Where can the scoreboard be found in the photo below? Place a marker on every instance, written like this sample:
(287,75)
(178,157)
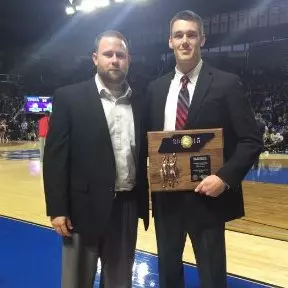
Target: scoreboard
(38,104)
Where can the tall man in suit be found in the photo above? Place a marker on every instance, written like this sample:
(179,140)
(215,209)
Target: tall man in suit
(94,170)
(198,96)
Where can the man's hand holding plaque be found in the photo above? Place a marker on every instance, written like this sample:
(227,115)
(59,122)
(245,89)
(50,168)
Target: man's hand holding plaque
(211,186)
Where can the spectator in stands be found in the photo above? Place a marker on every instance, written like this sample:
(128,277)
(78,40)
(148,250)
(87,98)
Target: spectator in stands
(261,125)
(24,128)
(43,130)
(3,130)
(31,132)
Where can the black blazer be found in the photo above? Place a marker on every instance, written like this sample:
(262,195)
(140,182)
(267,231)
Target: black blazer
(218,102)
(79,165)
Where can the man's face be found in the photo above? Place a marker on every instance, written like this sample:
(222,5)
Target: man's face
(112,60)
(186,40)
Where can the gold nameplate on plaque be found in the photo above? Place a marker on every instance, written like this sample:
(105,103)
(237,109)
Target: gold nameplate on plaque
(180,160)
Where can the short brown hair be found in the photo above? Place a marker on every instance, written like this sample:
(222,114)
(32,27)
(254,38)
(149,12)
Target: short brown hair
(188,15)
(110,33)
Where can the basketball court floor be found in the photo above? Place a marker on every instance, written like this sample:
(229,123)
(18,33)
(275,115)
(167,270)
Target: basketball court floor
(30,251)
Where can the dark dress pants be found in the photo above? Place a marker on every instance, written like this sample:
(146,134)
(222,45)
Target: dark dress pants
(115,249)
(173,221)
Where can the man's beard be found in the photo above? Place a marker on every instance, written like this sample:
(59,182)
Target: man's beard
(112,77)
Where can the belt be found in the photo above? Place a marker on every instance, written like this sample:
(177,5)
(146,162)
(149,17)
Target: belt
(125,194)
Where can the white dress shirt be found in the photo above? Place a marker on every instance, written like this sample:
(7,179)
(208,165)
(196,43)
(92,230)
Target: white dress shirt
(172,98)
(119,116)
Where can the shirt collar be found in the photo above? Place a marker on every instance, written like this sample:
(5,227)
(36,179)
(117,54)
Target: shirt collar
(104,91)
(192,75)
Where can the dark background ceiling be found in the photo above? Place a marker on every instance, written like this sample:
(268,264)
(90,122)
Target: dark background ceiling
(38,32)
(23,22)
(38,38)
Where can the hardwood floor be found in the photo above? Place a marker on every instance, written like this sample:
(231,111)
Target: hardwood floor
(254,257)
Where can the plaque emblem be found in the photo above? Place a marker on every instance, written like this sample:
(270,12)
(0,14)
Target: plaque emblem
(169,171)
(186,141)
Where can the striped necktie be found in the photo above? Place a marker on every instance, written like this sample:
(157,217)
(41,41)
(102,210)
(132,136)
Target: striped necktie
(183,104)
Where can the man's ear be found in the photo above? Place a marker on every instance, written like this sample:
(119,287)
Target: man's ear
(203,40)
(170,43)
(95,58)
(129,59)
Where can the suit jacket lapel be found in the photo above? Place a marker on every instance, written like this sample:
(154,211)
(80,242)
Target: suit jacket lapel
(201,90)
(160,102)
(96,111)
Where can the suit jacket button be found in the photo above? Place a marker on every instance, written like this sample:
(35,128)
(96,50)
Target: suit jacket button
(113,192)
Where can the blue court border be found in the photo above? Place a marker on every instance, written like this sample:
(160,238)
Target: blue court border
(149,254)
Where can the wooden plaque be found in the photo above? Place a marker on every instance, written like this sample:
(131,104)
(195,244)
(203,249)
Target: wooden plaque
(180,160)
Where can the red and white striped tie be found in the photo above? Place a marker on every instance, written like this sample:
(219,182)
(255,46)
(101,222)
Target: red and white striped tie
(183,104)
